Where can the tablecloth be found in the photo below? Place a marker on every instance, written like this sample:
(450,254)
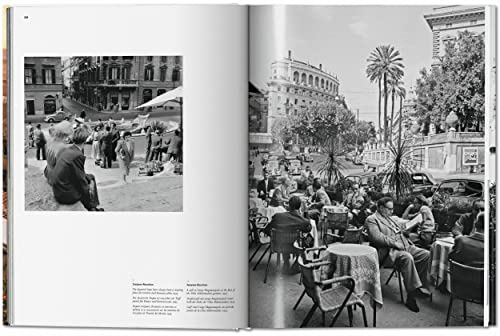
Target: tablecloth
(438,270)
(361,263)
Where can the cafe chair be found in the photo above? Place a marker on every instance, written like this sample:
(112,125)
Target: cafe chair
(466,284)
(258,225)
(336,222)
(396,272)
(308,255)
(281,243)
(331,295)
(352,235)
(252,213)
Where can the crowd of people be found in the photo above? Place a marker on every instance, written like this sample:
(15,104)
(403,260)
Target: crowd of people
(405,241)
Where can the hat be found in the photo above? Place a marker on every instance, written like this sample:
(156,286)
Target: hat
(423,199)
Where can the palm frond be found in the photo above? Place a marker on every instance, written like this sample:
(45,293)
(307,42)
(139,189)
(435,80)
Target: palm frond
(397,175)
(331,168)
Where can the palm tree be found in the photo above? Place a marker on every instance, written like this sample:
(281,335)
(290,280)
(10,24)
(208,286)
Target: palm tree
(373,73)
(395,86)
(385,61)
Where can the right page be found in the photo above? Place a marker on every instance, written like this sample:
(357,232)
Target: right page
(370,189)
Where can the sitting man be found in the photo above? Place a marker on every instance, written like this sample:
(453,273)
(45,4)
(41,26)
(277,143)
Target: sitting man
(385,232)
(469,250)
(355,200)
(70,183)
(317,201)
(290,221)
(265,186)
(465,223)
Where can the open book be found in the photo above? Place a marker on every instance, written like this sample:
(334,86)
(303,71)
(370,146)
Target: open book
(130,202)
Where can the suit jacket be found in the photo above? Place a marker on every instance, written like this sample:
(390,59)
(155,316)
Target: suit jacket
(107,141)
(261,186)
(320,196)
(288,221)
(174,144)
(469,250)
(385,233)
(69,181)
(124,153)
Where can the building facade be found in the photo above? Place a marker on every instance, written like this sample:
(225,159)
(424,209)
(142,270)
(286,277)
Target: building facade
(121,83)
(43,85)
(447,21)
(295,85)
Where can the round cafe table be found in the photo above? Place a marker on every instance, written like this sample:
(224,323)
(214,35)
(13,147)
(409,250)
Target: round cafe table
(361,263)
(438,270)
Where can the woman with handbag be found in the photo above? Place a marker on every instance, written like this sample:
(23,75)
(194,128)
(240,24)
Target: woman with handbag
(125,153)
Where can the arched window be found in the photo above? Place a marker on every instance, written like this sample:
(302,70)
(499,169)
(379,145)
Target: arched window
(126,72)
(49,104)
(311,80)
(316,82)
(296,76)
(327,84)
(303,78)
(322,83)
(147,95)
(163,73)
(160,92)
(176,75)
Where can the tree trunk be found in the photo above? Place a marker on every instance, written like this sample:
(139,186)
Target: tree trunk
(392,115)
(400,119)
(379,102)
(385,108)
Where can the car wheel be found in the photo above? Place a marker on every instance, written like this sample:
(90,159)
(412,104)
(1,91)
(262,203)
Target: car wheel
(50,120)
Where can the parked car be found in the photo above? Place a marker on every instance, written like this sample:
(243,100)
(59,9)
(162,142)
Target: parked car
(56,117)
(305,157)
(363,179)
(295,167)
(467,188)
(423,183)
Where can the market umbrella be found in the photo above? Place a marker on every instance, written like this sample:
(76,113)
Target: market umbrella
(172,95)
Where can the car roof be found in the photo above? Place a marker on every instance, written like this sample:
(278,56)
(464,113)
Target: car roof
(465,177)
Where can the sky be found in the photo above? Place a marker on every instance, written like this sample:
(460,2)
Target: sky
(341,39)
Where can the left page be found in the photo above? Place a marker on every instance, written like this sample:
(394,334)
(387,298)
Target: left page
(121,214)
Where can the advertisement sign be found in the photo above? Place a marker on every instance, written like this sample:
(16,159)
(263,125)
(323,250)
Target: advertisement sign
(470,156)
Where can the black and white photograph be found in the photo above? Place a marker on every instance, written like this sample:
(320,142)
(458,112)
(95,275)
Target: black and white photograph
(103,133)
(367,166)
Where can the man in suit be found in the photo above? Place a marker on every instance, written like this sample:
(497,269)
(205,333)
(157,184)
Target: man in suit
(265,186)
(107,147)
(156,143)
(469,250)
(40,141)
(289,221)
(115,136)
(386,233)
(174,145)
(465,223)
(70,183)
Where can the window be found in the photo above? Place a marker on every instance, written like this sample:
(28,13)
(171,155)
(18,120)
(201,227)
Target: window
(461,188)
(149,74)
(149,58)
(49,76)
(303,78)
(296,101)
(310,80)
(105,58)
(160,92)
(104,71)
(163,74)
(114,58)
(296,76)
(163,59)
(114,73)
(176,74)
(29,76)
(287,89)
(147,95)
(126,73)
(49,104)
(316,82)
(473,22)
(449,25)
(322,83)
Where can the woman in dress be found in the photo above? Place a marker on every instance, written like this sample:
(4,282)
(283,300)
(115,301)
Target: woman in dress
(96,148)
(125,153)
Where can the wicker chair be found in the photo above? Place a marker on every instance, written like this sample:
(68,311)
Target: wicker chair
(281,243)
(466,285)
(335,221)
(258,224)
(329,298)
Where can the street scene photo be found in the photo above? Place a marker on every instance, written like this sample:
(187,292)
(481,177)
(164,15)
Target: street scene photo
(103,133)
(367,186)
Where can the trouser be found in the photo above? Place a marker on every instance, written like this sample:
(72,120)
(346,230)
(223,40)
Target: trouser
(156,155)
(113,153)
(40,148)
(413,265)
(148,153)
(171,155)
(94,196)
(108,157)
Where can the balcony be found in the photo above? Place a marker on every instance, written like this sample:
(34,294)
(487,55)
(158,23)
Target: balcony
(115,83)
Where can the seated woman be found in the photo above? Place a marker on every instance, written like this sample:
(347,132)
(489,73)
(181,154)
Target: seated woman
(282,193)
(422,231)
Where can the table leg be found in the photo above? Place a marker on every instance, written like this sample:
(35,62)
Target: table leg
(374,306)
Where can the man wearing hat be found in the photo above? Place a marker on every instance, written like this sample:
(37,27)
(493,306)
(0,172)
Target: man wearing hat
(426,226)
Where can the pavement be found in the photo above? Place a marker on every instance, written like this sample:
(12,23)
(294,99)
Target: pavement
(271,304)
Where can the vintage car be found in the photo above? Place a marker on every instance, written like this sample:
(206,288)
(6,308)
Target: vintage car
(468,187)
(423,183)
(58,116)
(305,157)
(273,166)
(294,167)
(363,179)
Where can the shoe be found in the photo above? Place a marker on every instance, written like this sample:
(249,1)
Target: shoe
(422,293)
(99,209)
(411,304)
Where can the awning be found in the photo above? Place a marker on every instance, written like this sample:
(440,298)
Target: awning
(164,98)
